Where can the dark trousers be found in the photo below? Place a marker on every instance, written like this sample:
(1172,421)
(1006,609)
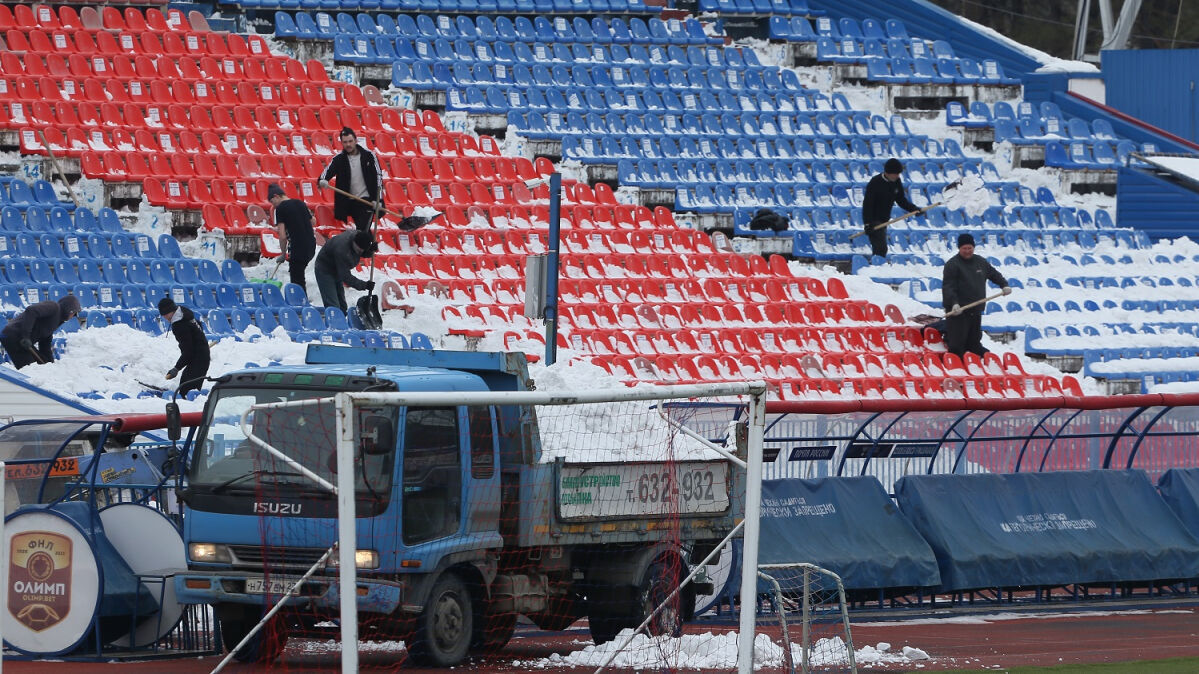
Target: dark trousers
(192,377)
(878,241)
(297,266)
(21,356)
(964,333)
(360,213)
(333,292)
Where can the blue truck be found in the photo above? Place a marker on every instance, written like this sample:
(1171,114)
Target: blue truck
(462,524)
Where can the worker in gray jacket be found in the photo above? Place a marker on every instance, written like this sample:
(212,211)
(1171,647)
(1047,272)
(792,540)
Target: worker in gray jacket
(964,281)
(336,260)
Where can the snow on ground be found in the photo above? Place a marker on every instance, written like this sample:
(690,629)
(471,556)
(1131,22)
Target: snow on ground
(694,652)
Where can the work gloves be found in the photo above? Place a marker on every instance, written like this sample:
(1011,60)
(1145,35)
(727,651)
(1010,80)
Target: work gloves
(171,373)
(26,344)
(1007,290)
(957,309)
(324,184)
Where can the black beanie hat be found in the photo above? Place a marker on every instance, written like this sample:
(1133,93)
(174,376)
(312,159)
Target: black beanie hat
(965,240)
(365,243)
(893,165)
(166,306)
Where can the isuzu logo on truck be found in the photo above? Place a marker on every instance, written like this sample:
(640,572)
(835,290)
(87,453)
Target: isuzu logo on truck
(271,508)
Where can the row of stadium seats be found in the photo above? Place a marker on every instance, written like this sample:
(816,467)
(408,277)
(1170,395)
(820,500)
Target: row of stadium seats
(615,30)
(30,270)
(57,245)
(25,17)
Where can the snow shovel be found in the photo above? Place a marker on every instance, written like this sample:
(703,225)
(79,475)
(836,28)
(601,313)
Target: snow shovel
(957,194)
(368,306)
(151,387)
(375,208)
(975,303)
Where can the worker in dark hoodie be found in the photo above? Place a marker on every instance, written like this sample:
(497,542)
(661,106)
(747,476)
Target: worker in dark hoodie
(35,327)
(194,356)
(336,260)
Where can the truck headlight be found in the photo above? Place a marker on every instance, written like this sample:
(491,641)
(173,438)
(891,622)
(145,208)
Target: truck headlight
(363,559)
(209,552)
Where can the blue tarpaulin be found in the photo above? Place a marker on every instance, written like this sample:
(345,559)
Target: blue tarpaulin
(1044,529)
(847,525)
(1180,488)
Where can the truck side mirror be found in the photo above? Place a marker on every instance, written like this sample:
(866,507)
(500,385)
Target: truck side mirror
(376,435)
(174,422)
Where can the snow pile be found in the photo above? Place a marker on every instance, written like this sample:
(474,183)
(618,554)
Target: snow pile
(693,652)
(970,195)
(119,363)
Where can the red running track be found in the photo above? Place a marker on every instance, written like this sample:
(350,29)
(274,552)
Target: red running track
(960,642)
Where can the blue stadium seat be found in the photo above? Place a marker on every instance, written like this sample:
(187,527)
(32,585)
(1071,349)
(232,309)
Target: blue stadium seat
(265,320)
(106,220)
(239,321)
(227,296)
(285,26)
(138,271)
(232,272)
(133,296)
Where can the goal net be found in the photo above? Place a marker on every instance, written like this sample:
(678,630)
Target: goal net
(808,625)
(590,525)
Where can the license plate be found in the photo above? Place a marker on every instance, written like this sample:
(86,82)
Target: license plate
(276,586)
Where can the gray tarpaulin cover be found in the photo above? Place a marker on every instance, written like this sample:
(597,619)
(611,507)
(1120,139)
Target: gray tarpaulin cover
(1053,528)
(847,525)
(1180,489)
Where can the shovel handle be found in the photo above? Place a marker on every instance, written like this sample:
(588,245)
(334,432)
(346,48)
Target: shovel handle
(892,221)
(975,303)
(372,204)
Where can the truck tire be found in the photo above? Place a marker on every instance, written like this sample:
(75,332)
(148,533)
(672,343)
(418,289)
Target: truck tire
(660,580)
(445,628)
(497,632)
(604,628)
(264,647)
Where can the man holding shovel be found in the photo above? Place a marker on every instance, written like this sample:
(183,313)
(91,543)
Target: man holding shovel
(964,296)
(359,182)
(335,262)
(294,223)
(35,327)
(882,193)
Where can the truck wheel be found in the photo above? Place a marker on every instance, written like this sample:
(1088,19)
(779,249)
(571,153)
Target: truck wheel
(265,646)
(660,580)
(444,630)
(604,628)
(497,631)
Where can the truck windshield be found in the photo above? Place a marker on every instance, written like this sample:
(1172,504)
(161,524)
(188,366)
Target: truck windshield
(226,461)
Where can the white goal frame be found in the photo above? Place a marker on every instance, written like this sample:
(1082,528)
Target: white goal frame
(345,403)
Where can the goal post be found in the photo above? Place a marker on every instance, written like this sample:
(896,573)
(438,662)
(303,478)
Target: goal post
(743,403)
(815,597)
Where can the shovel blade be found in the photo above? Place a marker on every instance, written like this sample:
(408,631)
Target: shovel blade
(368,311)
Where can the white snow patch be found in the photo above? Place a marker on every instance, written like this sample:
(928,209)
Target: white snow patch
(693,652)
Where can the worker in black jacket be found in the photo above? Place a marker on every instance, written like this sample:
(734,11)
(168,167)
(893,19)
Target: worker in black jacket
(336,260)
(963,282)
(194,356)
(356,171)
(35,327)
(294,224)
(882,193)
